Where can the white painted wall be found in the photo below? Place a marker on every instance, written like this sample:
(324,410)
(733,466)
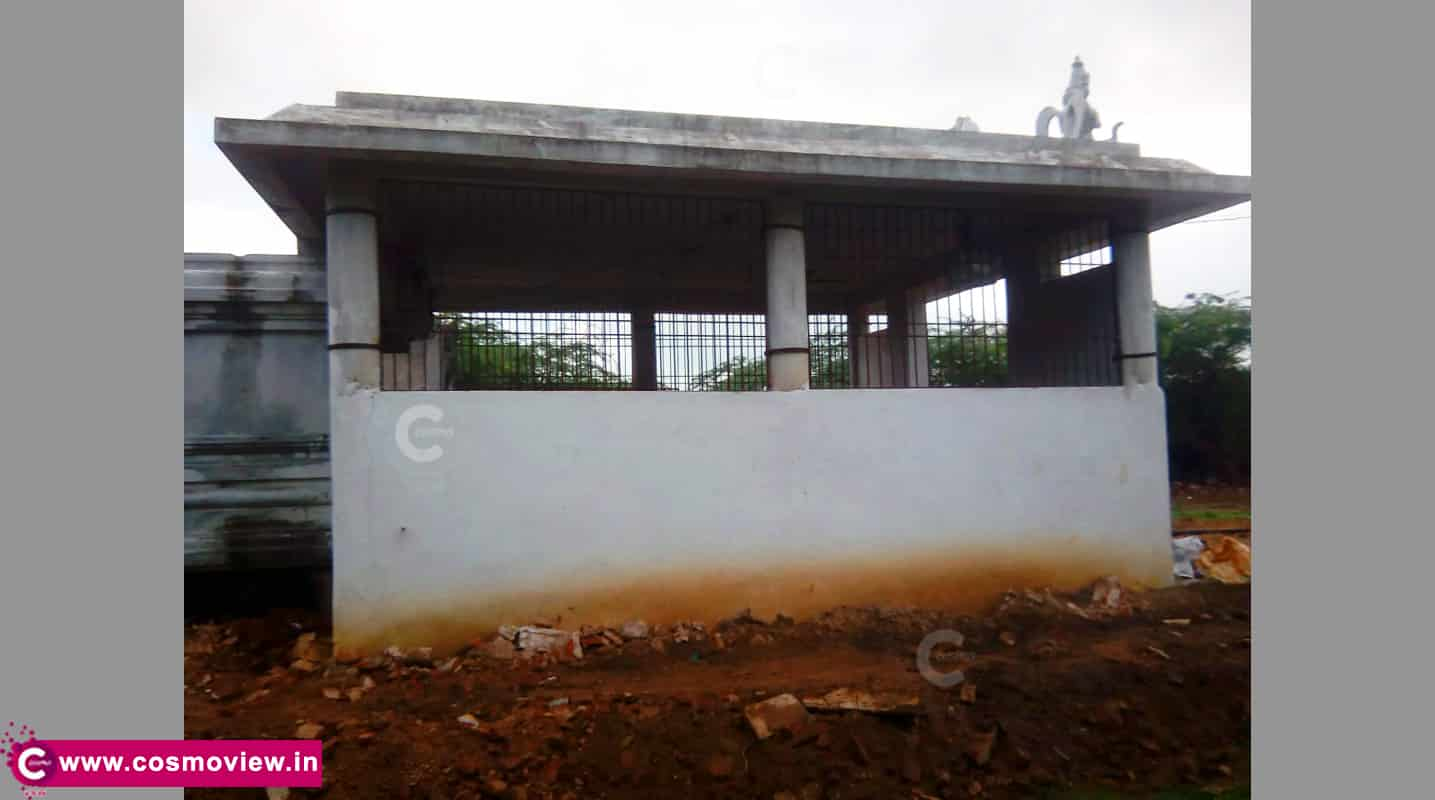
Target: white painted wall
(601,505)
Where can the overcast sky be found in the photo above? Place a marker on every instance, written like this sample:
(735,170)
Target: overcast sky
(1177,73)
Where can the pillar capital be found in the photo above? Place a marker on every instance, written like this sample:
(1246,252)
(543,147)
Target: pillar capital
(347,192)
(783,211)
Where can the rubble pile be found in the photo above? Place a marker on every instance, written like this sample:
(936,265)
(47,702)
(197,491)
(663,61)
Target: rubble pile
(1049,691)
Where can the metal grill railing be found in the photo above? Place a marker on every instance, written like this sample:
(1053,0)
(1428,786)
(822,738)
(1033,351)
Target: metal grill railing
(553,350)
(712,352)
(961,340)
(1080,248)
(926,294)
(966,338)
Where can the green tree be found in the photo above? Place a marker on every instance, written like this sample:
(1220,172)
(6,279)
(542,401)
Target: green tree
(830,368)
(974,354)
(1204,346)
(485,356)
(971,354)
(737,374)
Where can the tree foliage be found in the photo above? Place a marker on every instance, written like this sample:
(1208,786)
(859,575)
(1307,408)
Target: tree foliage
(488,357)
(970,354)
(1204,347)
(830,368)
(973,355)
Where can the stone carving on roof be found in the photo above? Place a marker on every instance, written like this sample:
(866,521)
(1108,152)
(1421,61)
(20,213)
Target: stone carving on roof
(1077,118)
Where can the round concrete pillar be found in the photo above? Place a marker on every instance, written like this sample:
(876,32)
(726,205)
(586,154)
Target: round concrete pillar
(352,268)
(1135,307)
(787,354)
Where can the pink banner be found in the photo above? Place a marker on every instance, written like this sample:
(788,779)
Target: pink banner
(154,763)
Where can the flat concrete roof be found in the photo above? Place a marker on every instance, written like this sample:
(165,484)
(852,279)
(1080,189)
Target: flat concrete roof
(285,155)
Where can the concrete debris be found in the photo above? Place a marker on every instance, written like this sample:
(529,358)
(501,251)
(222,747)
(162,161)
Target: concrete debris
(1106,592)
(355,695)
(333,694)
(869,702)
(683,632)
(307,648)
(595,637)
(564,644)
(783,712)
(309,730)
(1008,638)
(418,657)
(634,629)
(304,665)
(468,721)
(276,793)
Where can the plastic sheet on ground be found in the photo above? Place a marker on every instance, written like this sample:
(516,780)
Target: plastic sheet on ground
(1184,551)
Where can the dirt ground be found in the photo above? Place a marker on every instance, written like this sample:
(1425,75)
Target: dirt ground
(1062,697)
(1211,507)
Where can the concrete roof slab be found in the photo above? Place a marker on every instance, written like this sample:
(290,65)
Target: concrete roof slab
(276,154)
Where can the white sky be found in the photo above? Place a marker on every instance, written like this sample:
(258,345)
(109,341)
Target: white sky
(1177,73)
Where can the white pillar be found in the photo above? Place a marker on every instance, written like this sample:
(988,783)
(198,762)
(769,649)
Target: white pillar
(1135,307)
(787,354)
(352,267)
(907,338)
